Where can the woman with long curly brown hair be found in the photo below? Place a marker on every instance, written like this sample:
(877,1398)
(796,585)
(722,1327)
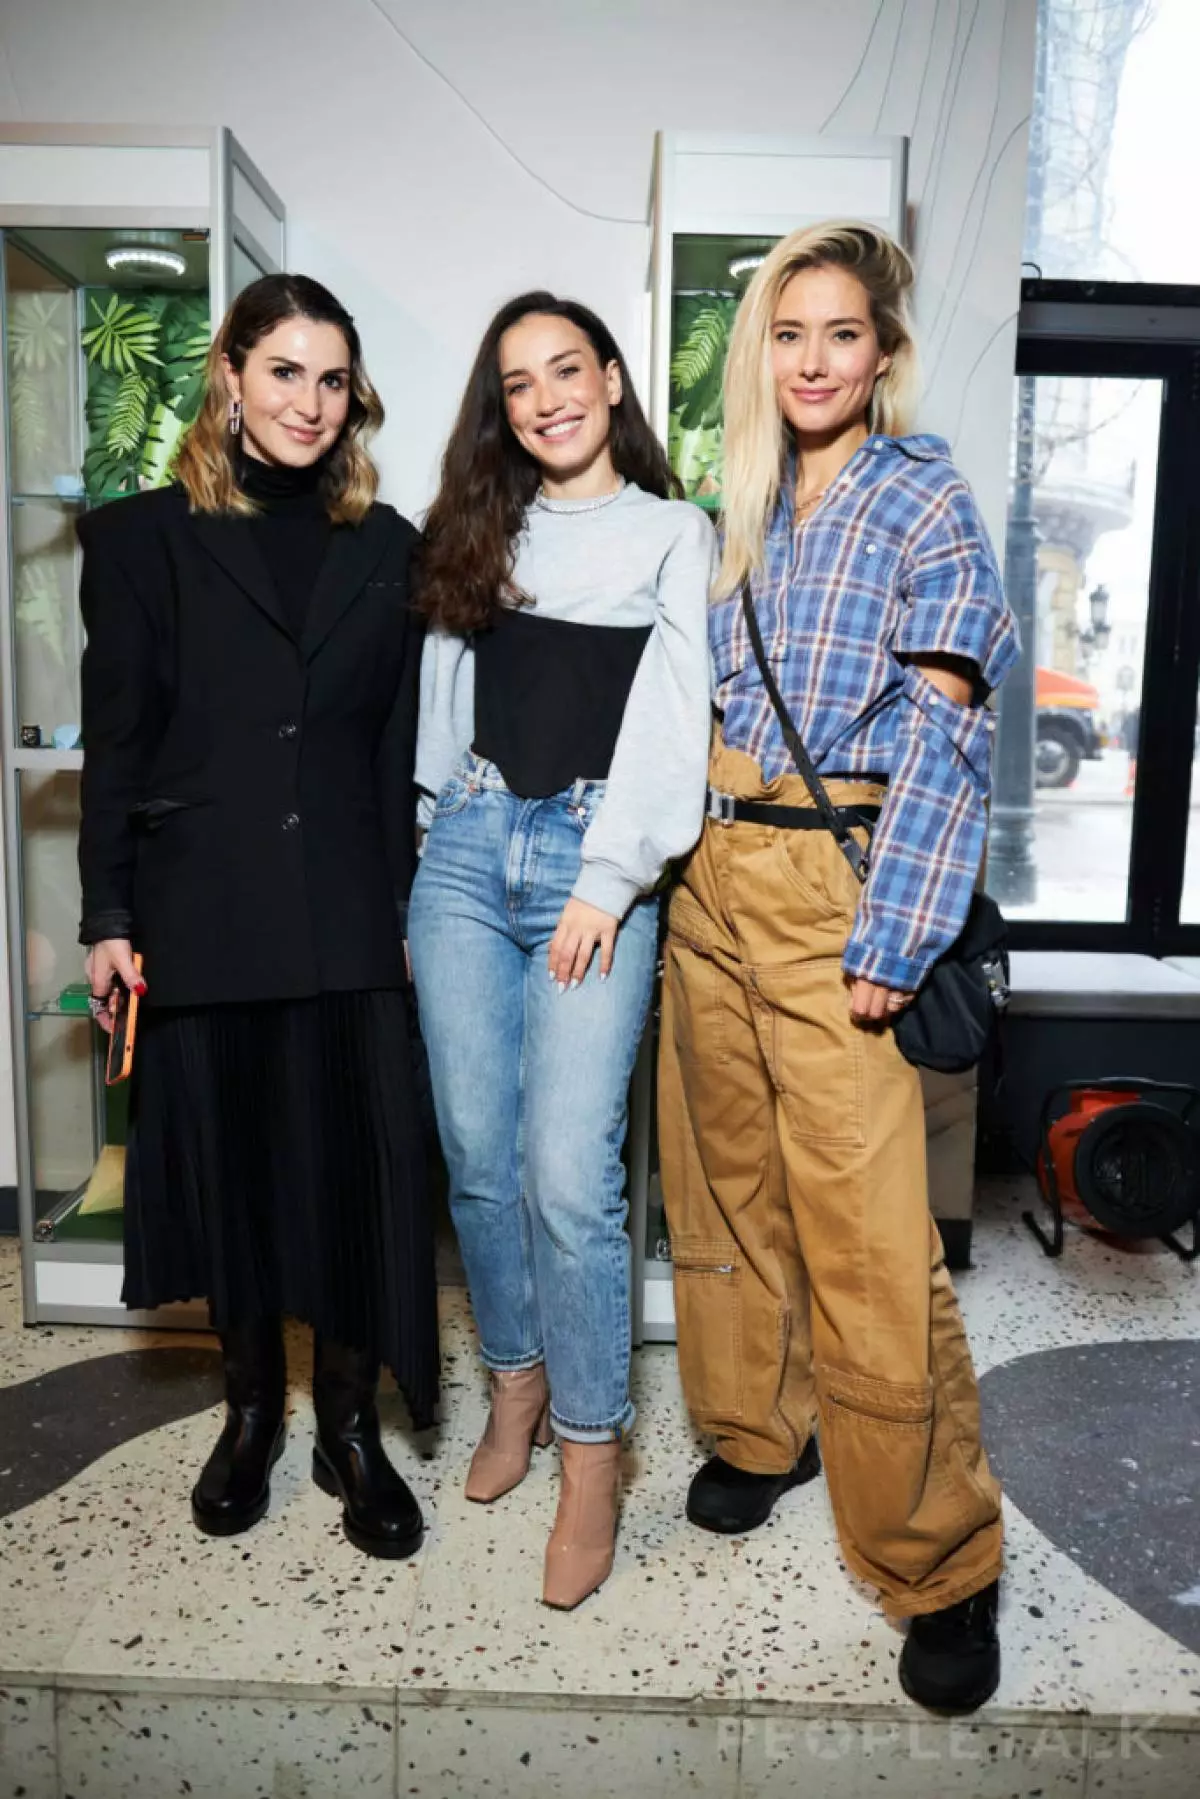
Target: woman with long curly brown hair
(564,731)
(249,720)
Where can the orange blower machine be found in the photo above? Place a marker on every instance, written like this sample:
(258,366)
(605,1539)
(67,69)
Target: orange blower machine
(1122,1155)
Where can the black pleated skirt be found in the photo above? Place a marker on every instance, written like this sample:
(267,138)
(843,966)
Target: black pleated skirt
(276,1165)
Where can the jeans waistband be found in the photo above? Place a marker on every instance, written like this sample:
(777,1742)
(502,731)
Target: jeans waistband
(479,773)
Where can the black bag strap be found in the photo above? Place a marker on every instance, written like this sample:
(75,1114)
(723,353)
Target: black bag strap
(833,820)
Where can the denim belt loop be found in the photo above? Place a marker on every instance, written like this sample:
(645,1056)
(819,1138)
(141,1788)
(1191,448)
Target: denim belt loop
(481,773)
(575,803)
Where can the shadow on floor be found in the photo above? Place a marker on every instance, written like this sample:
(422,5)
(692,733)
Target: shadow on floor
(51,1427)
(1099,1446)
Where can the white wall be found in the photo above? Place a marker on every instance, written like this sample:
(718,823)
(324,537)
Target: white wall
(434,165)
(436,159)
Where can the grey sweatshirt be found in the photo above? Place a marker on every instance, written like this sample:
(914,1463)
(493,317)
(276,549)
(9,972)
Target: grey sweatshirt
(637,561)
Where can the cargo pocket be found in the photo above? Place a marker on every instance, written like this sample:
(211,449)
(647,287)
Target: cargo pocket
(896,1509)
(818,874)
(701,1028)
(708,1317)
(817,1055)
(687,920)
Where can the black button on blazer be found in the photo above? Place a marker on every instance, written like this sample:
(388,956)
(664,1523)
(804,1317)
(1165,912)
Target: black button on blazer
(247,796)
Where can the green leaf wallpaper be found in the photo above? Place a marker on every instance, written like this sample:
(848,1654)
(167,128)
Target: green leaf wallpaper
(37,330)
(701,324)
(145,380)
(36,340)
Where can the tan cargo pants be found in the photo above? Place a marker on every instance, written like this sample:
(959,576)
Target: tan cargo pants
(809,1280)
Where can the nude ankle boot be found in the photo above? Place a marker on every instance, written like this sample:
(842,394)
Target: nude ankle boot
(519,1418)
(579,1554)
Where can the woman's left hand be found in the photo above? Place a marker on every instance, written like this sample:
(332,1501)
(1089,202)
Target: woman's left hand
(573,944)
(872,1004)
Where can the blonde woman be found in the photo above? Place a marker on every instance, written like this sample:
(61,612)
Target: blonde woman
(249,720)
(809,1279)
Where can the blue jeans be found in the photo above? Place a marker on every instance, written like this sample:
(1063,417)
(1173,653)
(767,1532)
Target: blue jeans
(531,1087)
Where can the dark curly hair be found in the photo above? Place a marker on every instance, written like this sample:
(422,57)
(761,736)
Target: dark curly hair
(489,479)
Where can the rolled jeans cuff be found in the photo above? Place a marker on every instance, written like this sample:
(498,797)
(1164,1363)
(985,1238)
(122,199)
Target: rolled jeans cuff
(594,1433)
(513,1364)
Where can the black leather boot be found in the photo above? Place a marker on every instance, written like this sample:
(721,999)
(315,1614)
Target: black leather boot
(951,1659)
(380,1515)
(234,1489)
(727,1499)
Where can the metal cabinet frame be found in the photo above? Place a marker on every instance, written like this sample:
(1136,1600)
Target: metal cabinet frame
(731,184)
(52,177)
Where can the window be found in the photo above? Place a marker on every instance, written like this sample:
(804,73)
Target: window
(1112,134)
(1091,470)
(1090,828)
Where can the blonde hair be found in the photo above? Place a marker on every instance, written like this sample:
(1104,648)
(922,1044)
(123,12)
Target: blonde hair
(206,462)
(755,434)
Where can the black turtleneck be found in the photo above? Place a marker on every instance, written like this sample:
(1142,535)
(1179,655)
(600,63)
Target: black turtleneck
(291,527)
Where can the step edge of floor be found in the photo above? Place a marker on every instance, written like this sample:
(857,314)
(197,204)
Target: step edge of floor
(1002,1717)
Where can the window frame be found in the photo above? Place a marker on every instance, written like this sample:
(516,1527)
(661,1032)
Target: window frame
(1081,329)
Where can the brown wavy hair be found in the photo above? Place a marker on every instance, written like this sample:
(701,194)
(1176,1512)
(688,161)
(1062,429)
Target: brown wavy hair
(489,480)
(207,463)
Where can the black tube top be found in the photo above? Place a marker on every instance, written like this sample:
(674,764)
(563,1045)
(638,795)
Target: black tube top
(550,695)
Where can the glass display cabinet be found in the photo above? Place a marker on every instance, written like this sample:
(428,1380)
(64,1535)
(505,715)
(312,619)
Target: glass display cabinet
(720,202)
(118,250)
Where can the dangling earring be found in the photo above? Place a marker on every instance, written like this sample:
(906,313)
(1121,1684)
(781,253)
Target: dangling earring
(235,417)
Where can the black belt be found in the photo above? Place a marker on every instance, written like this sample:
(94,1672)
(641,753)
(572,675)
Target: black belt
(726,810)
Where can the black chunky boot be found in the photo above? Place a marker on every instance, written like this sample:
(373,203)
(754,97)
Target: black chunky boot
(727,1499)
(380,1515)
(951,1659)
(234,1489)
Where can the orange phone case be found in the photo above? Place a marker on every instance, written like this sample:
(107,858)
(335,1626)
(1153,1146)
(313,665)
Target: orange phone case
(123,1034)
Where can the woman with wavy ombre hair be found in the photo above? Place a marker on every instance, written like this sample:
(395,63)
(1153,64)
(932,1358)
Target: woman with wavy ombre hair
(246,850)
(210,459)
(809,1281)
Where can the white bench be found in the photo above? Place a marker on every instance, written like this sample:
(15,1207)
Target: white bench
(1103,984)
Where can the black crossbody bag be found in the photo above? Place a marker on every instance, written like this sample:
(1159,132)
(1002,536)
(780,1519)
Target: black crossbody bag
(947,1025)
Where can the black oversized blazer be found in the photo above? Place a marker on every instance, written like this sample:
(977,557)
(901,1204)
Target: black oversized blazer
(248,802)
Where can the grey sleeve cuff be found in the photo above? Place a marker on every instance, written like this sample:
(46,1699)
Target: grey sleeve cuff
(600,885)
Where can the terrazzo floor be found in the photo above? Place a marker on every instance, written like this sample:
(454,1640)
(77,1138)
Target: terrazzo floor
(138,1657)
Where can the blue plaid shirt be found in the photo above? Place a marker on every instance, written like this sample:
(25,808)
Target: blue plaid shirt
(894,564)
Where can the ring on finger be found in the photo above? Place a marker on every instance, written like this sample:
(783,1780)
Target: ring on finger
(97,1004)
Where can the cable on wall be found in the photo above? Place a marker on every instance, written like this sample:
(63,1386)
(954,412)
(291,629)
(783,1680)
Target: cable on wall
(1001,328)
(862,63)
(606,218)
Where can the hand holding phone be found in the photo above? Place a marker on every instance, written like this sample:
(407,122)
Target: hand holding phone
(115,975)
(124,1028)
(109,964)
